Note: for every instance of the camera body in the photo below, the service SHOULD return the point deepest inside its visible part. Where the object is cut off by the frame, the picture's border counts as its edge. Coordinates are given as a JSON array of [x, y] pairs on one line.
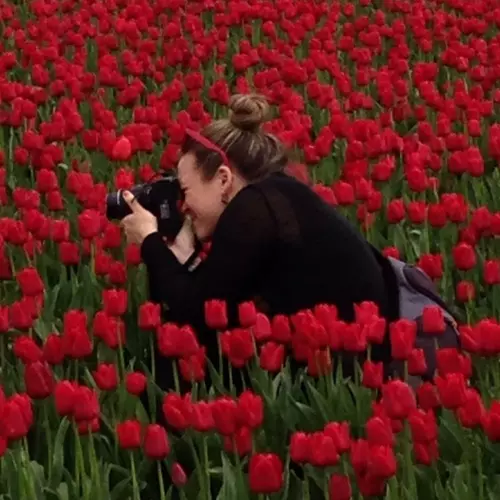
[[161, 197]]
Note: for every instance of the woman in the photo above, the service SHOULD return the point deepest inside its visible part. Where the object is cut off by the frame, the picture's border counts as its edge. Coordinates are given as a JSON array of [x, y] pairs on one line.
[[273, 240]]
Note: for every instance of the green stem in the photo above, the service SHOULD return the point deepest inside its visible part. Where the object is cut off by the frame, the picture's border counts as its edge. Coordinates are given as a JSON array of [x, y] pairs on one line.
[[135, 485], [480, 471], [153, 364], [48, 437], [325, 487], [94, 465], [79, 466], [221, 359], [198, 466], [177, 384], [160, 482], [206, 464], [305, 487]]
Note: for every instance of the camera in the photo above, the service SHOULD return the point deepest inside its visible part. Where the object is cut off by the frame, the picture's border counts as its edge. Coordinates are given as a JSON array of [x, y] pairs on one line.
[[162, 197]]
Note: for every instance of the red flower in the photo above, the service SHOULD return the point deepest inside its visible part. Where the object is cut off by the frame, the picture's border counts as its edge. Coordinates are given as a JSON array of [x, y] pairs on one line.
[[373, 374], [341, 435], [225, 413], [115, 302], [135, 383], [464, 256], [423, 426], [280, 329], [319, 362], [272, 356], [156, 444], [17, 417], [339, 487], [238, 346], [110, 329], [106, 377], [86, 404], [149, 316], [64, 396], [262, 328], [27, 350], [178, 475], [379, 431], [76, 342], [192, 367], [427, 396], [20, 316], [381, 462], [433, 322], [176, 342], [247, 314], [89, 224], [452, 390], [202, 419], [310, 331], [465, 291], [323, 450], [129, 434], [472, 412], [39, 380], [216, 314], [4, 319], [491, 422], [398, 399], [30, 282], [417, 364], [122, 149], [402, 334], [240, 442], [265, 473], [177, 411], [450, 360], [250, 410], [53, 351], [426, 453], [300, 447]]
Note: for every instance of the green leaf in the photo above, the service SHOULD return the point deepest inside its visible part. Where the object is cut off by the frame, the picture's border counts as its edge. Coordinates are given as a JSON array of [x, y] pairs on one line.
[[229, 486], [36, 475], [56, 474], [216, 378], [120, 490], [317, 401]]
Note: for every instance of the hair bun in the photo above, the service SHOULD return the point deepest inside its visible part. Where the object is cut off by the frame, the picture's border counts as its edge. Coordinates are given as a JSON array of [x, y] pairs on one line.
[[248, 111]]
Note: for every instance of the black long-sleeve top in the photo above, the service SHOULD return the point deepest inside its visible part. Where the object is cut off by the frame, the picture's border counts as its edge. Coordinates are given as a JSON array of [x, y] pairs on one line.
[[279, 241]]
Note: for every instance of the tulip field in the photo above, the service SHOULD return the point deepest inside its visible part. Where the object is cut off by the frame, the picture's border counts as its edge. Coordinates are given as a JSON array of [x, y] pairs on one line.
[[390, 110]]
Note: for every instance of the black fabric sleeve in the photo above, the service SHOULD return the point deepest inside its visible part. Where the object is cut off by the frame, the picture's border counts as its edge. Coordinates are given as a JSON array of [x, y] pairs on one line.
[[243, 241]]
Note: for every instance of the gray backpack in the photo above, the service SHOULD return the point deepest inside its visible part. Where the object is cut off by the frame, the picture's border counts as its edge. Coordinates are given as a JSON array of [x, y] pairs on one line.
[[417, 291]]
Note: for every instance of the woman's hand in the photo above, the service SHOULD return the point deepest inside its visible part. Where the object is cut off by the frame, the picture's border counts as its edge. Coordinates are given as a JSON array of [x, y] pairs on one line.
[[140, 223], [184, 244]]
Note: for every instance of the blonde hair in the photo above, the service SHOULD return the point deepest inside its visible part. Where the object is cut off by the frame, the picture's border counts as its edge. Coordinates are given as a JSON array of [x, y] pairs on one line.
[[251, 151]]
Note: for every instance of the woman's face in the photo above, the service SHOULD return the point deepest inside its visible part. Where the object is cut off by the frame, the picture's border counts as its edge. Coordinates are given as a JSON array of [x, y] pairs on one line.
[[203, 199]]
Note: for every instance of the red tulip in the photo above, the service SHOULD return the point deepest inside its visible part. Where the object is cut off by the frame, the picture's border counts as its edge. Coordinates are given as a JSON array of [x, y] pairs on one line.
[[265, 473], [122, 150], [156, 444]]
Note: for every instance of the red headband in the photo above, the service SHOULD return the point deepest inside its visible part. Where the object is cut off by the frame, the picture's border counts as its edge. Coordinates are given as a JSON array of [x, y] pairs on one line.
[[208, 144]]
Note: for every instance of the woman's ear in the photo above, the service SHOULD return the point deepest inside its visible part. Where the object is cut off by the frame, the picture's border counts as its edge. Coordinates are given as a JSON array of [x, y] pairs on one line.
[[225, 177]]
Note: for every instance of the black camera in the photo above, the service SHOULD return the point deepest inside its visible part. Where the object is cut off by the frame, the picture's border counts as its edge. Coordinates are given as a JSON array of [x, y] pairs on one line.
[[162, 197]]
